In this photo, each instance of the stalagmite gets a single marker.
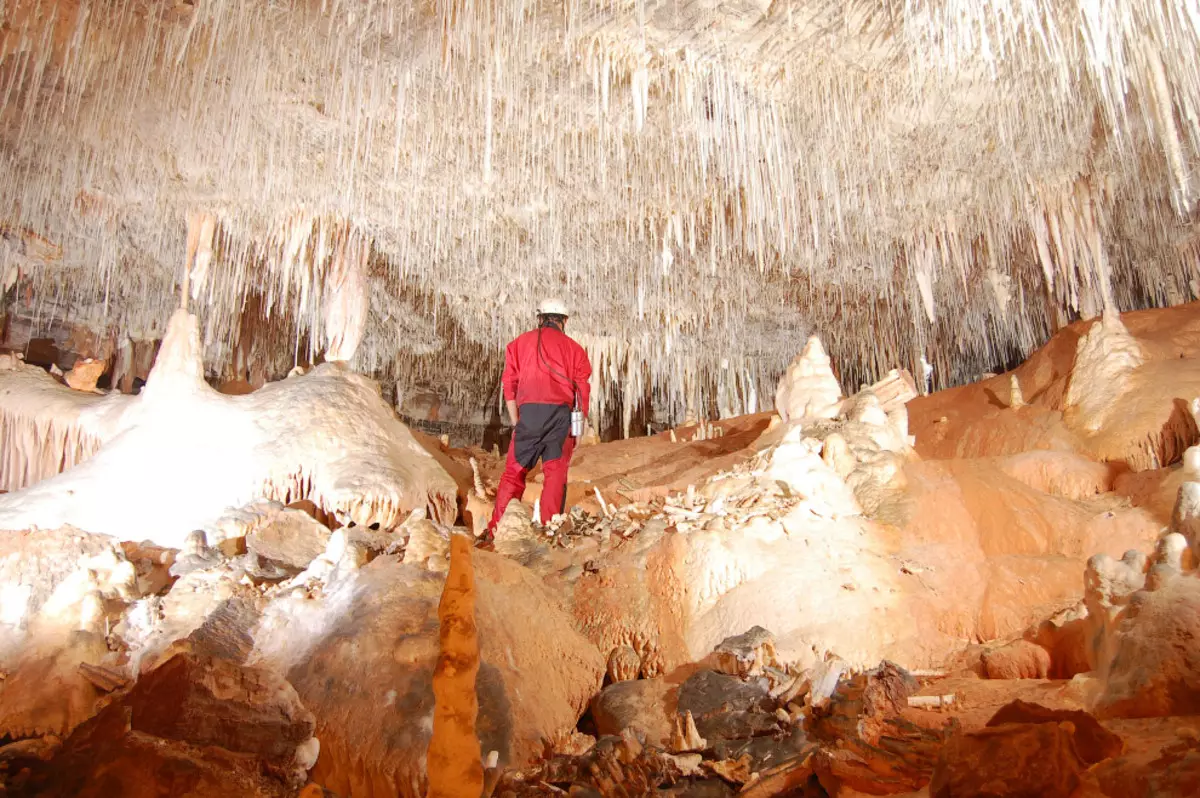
(455, 766)
(809, 389)
(1016, 400)
(476, 480)
(1105, 360)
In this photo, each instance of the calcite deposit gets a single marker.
(808, 389)
(767, 606)
(190, 457)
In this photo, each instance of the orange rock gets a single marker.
(1017, 660)
(84, 374)
(455, 766)
(1093, 742)
(1015, 760)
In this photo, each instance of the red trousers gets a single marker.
(554, 483)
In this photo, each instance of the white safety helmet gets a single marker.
(553, 307)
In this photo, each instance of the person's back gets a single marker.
(546, 376)
(546, 366)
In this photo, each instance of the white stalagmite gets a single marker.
(180, 456)
(809, 389)
(1105, 360)
(1016, 399)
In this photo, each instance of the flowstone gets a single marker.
(187, 457)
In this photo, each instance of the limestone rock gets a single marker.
(200, 727)
(1065, 638)
(194, 555)
(1093, 742)
(823, 680)
(214, 605)
(725, 707)
(428, 546)
(45, 692)
(45, 576)
(1018, 759)
(292, 538)
(1152, 672)
(1185, 518)
(1020, 659)
(60, 593)
(367, 672)
(866, 744)
(747, 654)
(775, 574)
(1108, 585)
(516, 536)
(837, 455)
(213, 702)
(895, 390)
(796, 463)
(647, 706)
(615, 766)
(84, 374)
(809, 389)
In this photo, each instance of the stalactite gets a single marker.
(708, 188)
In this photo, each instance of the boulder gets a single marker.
(866, 744)
(1014, 760)
(208, 701)
(1153, 672)
(747, 654)
(726, 708)
(1020, 659)
(197, 726)
(292, 538)
(84, 375)
(646, 706)
(106, 759)
(1093, 742)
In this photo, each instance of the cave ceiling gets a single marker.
(706, 183)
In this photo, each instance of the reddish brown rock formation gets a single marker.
(455, 768)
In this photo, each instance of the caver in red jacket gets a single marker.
(547, 374)
(544, 366)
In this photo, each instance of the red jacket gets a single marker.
(546, 377)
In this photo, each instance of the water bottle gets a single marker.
(577, 424)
